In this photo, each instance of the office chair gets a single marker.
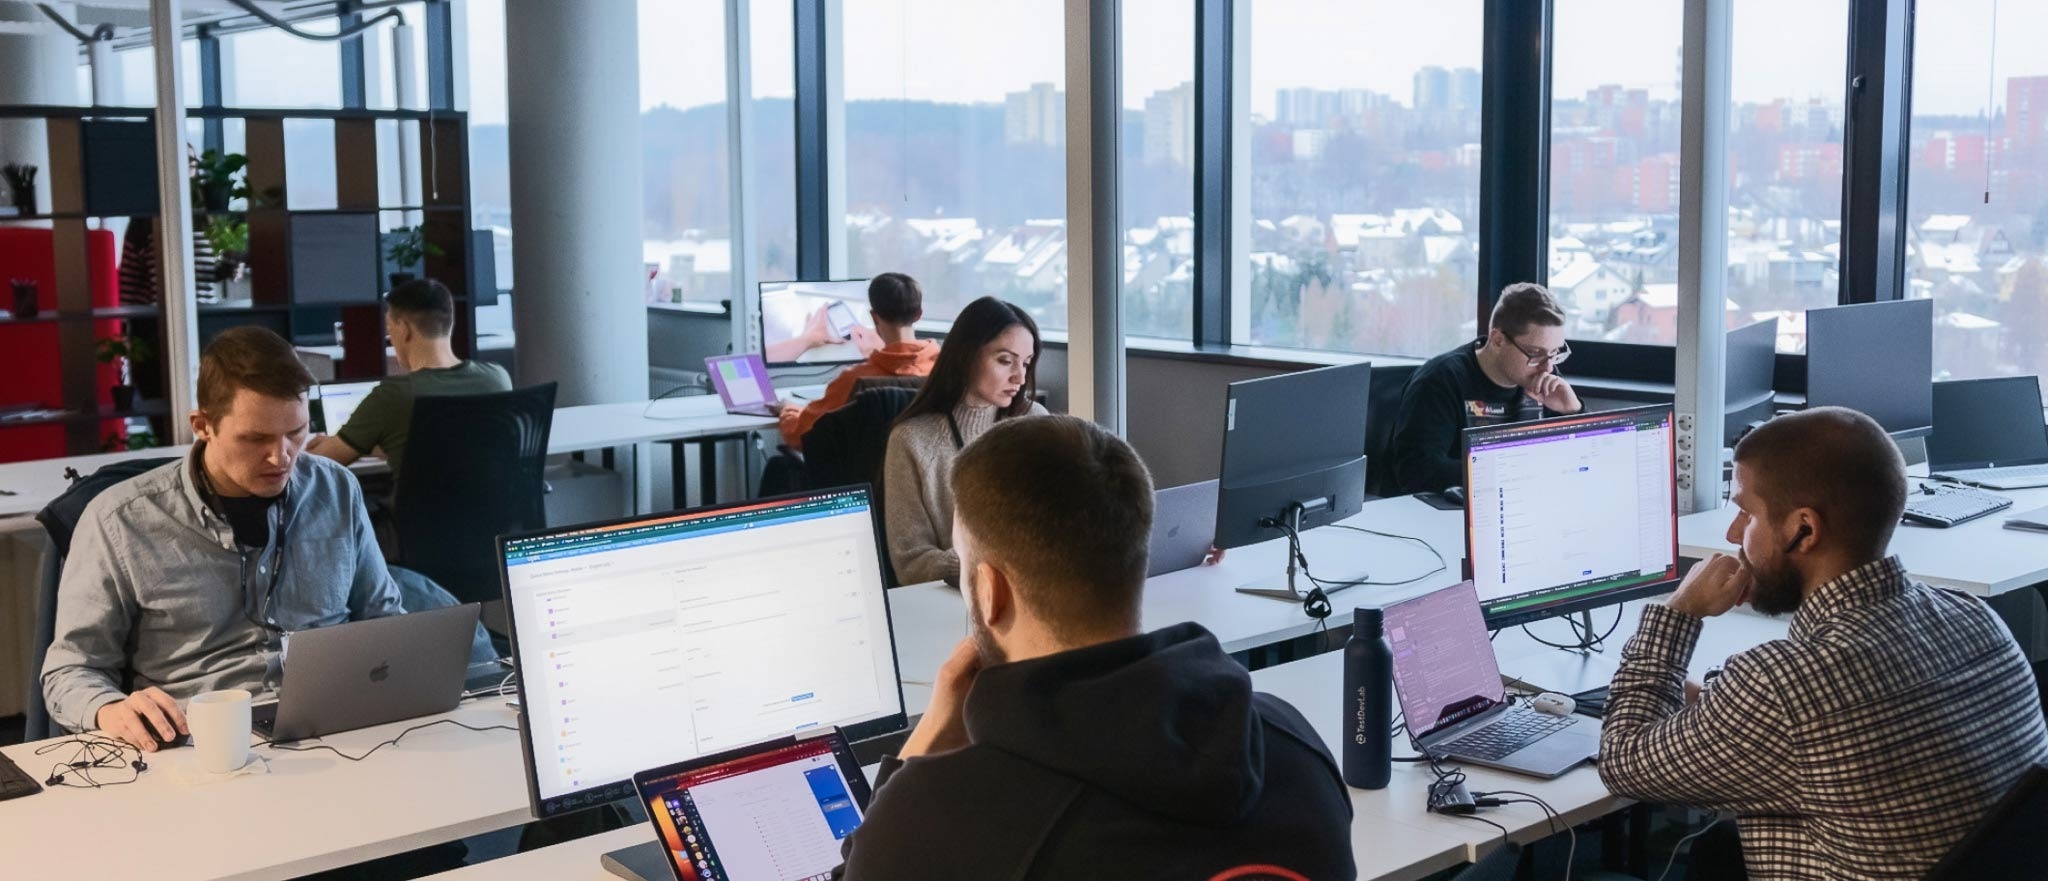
(846, 446)
(2007, 843)
(864, 383)
(1383, 408)
(60, 519)
(472, 473)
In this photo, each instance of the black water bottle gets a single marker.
(1368, 706)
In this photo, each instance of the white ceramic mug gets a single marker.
(220, 729)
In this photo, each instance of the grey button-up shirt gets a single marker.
(152, 591)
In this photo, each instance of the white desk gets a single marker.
(313, 812)
(1981, 557)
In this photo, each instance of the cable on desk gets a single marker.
(392, 742)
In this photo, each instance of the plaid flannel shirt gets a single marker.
(1864, 745)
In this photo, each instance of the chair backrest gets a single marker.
(846, 446)
(873, 382)
(60, 519)
(472, 473)
(1383, 407)
(2007, 843)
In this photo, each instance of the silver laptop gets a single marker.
(1988, 433)
(1455, 707)
(370, 672)
(1183, 527)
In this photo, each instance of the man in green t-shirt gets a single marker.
(420, 315)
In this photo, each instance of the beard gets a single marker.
(1779, 588)
(977, 629)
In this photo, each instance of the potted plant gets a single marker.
(124, 350)
(409, 248)
(214, 183)
(230, 237)
(134, 440)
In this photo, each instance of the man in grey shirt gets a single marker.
(185, 579)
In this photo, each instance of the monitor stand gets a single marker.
(641, 862)
(1564, 671)
(1297, 562)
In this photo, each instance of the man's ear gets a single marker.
(998, 596)
(201, 428)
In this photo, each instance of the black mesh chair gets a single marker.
(1383, 407)
(2007, 843)
(472, 473)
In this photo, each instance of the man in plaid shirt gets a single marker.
(1872, 738)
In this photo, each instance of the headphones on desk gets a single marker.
(96, 752)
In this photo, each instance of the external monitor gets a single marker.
(1293, 453)
(812, 322)
(1877, 358)
(1987, 423)
(1752, 360)
(1570, 514)
(660, 639)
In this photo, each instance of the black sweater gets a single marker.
(1446, 395)
(1147, 757)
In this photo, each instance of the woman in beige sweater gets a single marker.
(987, 371)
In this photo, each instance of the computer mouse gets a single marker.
(1553, 704)
(1455, 494)
(173, 743)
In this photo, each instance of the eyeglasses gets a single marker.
(1539, 356)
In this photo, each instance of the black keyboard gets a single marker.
(14, 782)
(1518, 728)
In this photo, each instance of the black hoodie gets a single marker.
(1147, 757)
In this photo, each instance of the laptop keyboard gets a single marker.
(1518, 728)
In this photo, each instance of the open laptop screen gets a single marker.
(776, 810)
(1444, 668)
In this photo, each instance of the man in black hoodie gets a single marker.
(1063, 743)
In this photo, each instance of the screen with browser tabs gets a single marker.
(1568, 514)
(650, 641)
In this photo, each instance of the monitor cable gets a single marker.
(1316, 600)
(284, 747)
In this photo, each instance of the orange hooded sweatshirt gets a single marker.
(913, 358)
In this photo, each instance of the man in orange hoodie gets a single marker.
(895, 303)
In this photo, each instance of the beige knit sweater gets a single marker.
(917, 492)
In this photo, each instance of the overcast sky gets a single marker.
(974, 51)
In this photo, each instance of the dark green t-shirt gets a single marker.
(385, 416)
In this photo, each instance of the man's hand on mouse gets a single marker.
(134, 717)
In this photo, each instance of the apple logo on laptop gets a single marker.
(380, 672)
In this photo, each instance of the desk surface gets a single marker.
(1981, 557)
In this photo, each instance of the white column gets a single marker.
(739, 139)
(1095, 338)
(1703, 253)
(574, 124)
(38, 65)
(174, 217)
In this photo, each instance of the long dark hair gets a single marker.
(983, 320)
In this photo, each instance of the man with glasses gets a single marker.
(184, 579)
(1509, 376)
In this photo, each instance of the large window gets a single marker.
(1157, 168)
(1365, 174)
(1614, 165)
(955, 150)
(1978, 200)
